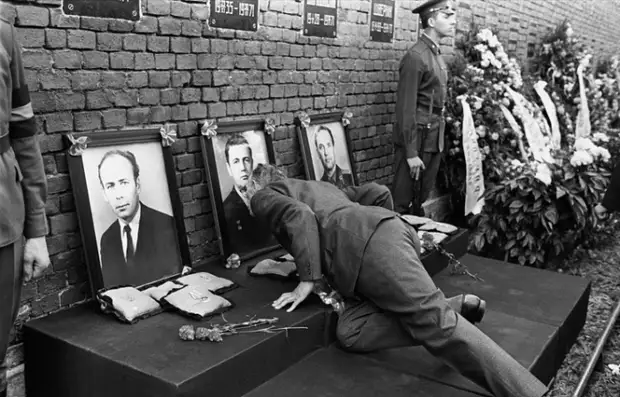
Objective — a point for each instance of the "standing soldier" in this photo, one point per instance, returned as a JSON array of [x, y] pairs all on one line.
[[23, 189], [419, 131]]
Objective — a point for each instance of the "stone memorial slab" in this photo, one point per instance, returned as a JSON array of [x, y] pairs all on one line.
[[382, 21], [321, 18], [117, 9], [234, 14]]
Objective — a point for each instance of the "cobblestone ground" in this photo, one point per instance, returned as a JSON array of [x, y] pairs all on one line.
[[602, 266]]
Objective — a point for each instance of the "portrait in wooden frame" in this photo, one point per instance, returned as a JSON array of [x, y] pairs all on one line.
[[231, 151], [326, 147], [128, 206]]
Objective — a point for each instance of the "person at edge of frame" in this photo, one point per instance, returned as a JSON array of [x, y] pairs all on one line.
[[418, 136], [23, 189], [354, 241]]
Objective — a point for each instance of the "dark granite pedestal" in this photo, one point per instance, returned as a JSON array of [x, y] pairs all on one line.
[[82, 353], [534, 315]]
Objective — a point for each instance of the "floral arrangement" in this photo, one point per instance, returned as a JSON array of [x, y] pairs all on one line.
[[540, 188]]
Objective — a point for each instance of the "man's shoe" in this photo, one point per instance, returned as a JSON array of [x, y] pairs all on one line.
[[473, 311], [3, 393]]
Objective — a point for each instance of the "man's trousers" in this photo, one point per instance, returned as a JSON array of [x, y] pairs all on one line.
[[405, 190], [401, 306], [11, 272]]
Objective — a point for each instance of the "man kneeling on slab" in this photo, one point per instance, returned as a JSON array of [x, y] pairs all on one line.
[[370, 255]]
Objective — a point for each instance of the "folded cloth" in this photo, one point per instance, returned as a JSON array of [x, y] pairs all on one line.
[[437, 237], [128, 304], [159, 291], [197, 301], [414, 220], [274, 267], [438, 227], [211, 282]]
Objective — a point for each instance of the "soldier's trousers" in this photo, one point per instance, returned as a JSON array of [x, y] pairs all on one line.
[[404, 189], [401, 306], [11, 272]]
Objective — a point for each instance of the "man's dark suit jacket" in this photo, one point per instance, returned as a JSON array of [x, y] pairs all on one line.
[[157, 254], [245, 232], [341, 179], [611, 201], [325, 229]]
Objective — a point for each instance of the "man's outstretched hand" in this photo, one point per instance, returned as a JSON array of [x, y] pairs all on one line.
[[299, 294]]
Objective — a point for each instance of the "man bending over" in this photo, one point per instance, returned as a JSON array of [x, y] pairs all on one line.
[[371, 257]]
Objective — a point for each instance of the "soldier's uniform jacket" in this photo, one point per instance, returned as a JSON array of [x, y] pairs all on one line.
[[422, 90], [23, 186]]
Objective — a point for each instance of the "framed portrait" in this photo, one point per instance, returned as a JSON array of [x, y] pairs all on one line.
[[128, 207], [326, 148], [232, 150]]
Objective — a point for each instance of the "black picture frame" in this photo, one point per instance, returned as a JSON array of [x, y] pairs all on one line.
[[234, 239], [86, 148], [338, 124]]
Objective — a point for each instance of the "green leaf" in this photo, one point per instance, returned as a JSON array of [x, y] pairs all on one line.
[[516, 204], [479, 241], [551, 215]]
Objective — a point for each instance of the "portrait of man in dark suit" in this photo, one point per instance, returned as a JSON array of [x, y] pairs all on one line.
[[326, 149], [140, 246], [245, 232]]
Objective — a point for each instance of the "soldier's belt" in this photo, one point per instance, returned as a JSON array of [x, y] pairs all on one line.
[[435, 110]]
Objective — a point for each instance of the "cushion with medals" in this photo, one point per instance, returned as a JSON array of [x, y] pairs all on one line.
[[416, 221], [440, 227], [128, 304], [197, 301], [437, 237], [213, 283], [279, 268], [159, 291]]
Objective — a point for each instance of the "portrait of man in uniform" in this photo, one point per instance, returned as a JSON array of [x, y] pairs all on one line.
[[325, 147], [236, 156], [329, 154]]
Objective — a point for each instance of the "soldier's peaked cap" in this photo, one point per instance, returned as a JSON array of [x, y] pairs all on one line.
[[431, 6]]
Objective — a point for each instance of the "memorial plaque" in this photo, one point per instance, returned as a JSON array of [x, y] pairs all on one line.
[[320, 18], [117, 9], [234, 14], [382, 21]]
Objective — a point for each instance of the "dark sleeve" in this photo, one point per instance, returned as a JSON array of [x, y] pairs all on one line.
[[611, 201], [411, 70], [22, 132], [295, 226], [371, 194]]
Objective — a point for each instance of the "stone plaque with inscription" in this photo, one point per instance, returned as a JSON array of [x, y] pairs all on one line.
[[234, 14], [320, 18], [117, 9], [382, 21]]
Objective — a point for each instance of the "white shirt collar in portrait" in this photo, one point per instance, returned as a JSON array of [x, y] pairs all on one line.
[[243, 196], [134, 225]]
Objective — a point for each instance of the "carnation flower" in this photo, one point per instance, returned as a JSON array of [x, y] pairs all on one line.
[[495, 136], [481, 131], [481, 47], [580, 158], [584, 144], [600, 137], [543, 173], [493, 42]]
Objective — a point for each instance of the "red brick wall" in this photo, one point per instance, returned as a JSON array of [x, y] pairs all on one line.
[[88, 74]]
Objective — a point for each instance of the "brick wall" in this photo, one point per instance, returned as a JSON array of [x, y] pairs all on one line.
[[88, 74]]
